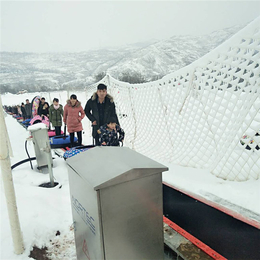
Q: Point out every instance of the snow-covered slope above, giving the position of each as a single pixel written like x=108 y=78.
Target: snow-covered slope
x=52 y=71
x=167 y=56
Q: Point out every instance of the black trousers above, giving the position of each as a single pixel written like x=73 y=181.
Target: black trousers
x=97 y=140
x=57 y=130
x=79 y=135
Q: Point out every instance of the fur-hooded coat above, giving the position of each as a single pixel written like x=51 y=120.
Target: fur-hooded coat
x=91 y=111
x=72 y=116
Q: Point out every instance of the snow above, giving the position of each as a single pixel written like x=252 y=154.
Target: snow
x=36 y=127
x=44 y=211
x=241 y=197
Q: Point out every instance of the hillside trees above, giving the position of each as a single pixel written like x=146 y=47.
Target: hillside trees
x=100 y=76
x=4 y=88
x=132 y=77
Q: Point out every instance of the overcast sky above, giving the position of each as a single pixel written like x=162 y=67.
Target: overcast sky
x=52 y=26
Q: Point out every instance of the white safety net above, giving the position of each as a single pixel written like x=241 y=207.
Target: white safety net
x=206 y=115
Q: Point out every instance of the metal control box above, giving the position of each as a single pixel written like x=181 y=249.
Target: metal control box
x=41 y=144
x=116 y=197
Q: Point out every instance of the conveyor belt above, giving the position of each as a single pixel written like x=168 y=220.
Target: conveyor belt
x=228 y=236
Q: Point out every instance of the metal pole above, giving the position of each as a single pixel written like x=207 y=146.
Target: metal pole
x=48 y=154
x=9 y=186
x=50 y=98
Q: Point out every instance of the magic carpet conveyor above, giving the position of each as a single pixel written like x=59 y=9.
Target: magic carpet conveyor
x=230 y=237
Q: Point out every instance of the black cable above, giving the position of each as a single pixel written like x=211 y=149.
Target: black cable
x=28 y=154
x=23 y=161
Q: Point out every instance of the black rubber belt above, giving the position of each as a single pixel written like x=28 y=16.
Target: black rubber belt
x=226 y=235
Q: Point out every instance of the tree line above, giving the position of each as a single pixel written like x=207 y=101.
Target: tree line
x=132 y=77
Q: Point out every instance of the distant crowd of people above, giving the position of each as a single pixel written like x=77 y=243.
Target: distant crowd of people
x=23 y=110
x=99 y=109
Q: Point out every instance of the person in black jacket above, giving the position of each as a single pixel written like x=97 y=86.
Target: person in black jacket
x=99 y=108
x=28 y=109
x=43 y=108
x=24 y=115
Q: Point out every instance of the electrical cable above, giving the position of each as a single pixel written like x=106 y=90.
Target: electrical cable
x=23 y=161
x=28 y=154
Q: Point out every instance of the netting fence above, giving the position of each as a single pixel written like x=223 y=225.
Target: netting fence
x=206 y=115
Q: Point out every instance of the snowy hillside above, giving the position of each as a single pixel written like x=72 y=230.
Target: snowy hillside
x=53 y=71
x=167 y=56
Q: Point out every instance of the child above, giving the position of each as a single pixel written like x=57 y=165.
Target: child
x=109 y=133
x=56 y=113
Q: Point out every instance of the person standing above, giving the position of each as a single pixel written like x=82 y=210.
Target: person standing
x=45 y=110
x=72 y=117
x=19 y=110
x=99 y=108
x=43 y=106
x=23 y=111
x=28 y=109
x=55 y=115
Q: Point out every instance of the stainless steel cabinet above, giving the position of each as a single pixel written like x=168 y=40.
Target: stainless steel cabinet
x=116 y=197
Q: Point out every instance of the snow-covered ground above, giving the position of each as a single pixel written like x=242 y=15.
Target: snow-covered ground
x=44 y=211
